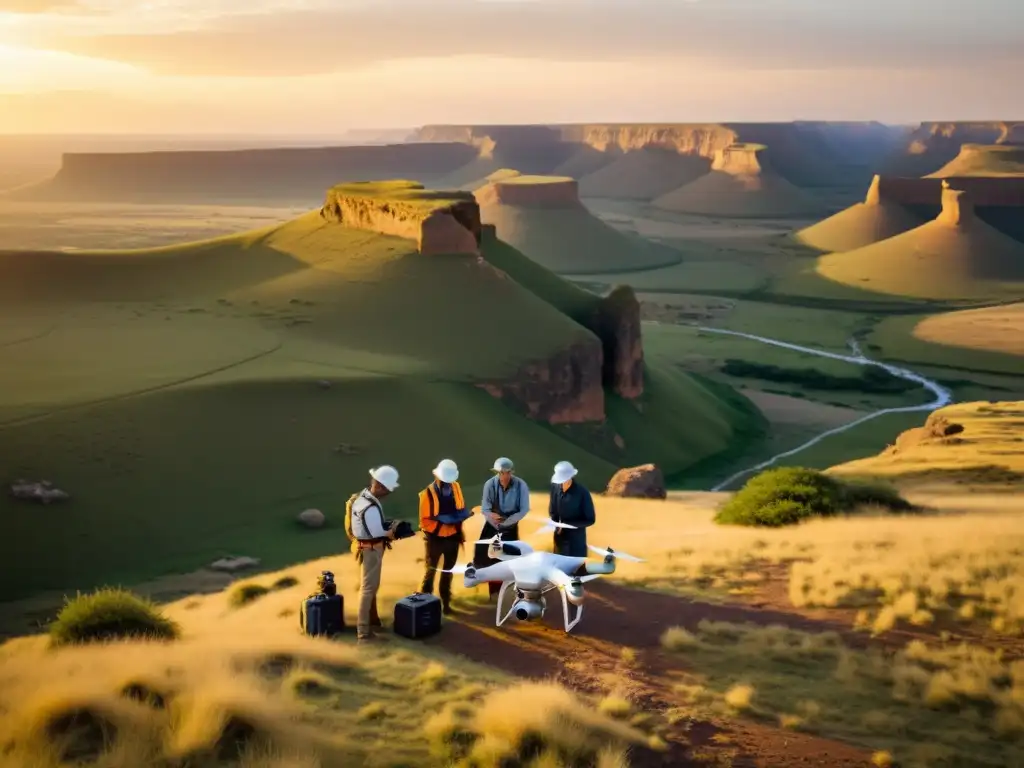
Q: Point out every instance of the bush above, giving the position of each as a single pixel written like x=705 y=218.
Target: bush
x=788 y=495
x=110 y=614
x=245 y=593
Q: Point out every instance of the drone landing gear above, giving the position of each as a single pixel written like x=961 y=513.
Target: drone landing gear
x=500 y=619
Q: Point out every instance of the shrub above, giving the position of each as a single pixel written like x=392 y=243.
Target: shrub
x=788 y=495
x=110 y=614
x=245 y=593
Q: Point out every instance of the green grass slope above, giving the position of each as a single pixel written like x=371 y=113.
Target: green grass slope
x=570 y=240
x=194 y=399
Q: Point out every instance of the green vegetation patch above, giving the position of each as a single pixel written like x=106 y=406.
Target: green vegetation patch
x=872 y=378
x=789 y=495
x=110 y=614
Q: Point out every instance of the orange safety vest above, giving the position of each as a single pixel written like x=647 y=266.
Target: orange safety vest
x=429 y=506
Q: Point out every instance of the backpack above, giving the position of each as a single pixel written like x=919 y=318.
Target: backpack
x=348 y=517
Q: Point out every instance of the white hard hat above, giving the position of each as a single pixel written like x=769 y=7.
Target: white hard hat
x=447 y=471
x=504 y=464
x=563 y=471
x=386 y=475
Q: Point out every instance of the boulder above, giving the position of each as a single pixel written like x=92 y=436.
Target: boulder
x=230 y=564
x=312 y=518
x=643 y=482
x=42 y=492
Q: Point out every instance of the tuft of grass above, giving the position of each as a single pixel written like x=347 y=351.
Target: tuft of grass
x=615 y=706
x=740 y=697
x=285 y=582
x=375 y=710
x=245 y=593
x=110 y=614
x=677 y=639
x=882 y=759
x=789 y=495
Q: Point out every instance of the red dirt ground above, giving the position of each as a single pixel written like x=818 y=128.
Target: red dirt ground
x=617 y=618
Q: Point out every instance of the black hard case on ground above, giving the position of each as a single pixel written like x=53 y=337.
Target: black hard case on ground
x=323 y=615
x=418 y=616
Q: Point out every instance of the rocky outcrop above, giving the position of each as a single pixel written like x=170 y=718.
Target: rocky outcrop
x=564 y=389
x=617 y=324
x=957 y=208
x=643 y=482
x=1005 y=191
x=531 y=192
x=439 y=222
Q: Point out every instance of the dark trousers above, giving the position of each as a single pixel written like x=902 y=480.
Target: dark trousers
x=480 y=558
x=444 y=550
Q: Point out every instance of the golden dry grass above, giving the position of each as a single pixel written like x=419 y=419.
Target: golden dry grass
x=244 y=678
x=994 y=329
x=924 y=705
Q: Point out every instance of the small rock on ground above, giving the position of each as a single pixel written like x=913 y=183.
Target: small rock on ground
x=312 y=518
x=231 y=564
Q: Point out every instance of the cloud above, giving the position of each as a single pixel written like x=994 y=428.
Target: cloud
x=770 y=34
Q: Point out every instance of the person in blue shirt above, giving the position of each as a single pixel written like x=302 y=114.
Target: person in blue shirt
x=570 y=503
x=506 y=500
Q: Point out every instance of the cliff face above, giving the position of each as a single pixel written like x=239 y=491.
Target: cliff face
x=617 y=324
x=564 y=389
x=934 y=144
x=445 y=226
x=1006 y=191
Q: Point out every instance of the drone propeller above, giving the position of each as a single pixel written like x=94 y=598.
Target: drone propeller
x=458 y=569
x=495 y=537
x=608 y=551
x=589 y=577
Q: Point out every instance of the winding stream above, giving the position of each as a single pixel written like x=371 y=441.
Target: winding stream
x=942 y=395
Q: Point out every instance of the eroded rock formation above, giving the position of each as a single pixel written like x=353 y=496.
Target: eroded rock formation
x=617 y=324
x=452 y=226
x=1004 y=191
x=566 y=388
x=957 y=208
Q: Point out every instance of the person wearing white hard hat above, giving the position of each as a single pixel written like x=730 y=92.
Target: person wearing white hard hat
x=506 y=500
x=370 y=535
x=442 y=513
x=570 y=503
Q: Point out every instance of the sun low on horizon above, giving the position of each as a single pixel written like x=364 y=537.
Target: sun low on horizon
x=112 y=66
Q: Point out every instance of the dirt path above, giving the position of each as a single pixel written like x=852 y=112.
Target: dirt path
x=591 y=660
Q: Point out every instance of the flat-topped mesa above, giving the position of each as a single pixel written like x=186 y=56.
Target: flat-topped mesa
x=957 y=208
x=440 y=222
x=741 y=160
x=531 y=192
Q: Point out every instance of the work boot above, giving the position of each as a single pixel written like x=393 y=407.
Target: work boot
x=446 y=609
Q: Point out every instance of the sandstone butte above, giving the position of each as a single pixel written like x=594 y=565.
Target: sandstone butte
x=742 y=182
x=986 y=160
x=568 y=386
x=529 y=191
x=948 y=253
x=861 y=224
x=439 y=222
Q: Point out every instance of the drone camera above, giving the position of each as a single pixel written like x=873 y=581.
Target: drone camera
x=526 y=610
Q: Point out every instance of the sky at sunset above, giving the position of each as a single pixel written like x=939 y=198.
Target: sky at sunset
x=320 y=66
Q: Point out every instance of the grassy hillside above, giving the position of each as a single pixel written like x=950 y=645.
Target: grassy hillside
x=572 y=241
x=972 y=443
x=193 y=399
x=934 y=261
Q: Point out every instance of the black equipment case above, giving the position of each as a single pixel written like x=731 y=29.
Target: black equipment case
x=418 y=616
x=323 y=613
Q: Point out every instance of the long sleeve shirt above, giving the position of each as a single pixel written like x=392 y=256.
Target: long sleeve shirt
x=512 y=503
x=574 y=506
x=368 y=517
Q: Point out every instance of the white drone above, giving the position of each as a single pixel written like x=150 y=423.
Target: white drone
x=533 y=574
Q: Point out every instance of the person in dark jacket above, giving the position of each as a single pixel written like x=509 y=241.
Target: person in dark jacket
x=506 y=500
x=570 y=503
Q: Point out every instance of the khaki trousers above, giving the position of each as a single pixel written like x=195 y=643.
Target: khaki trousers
x=369 y=583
